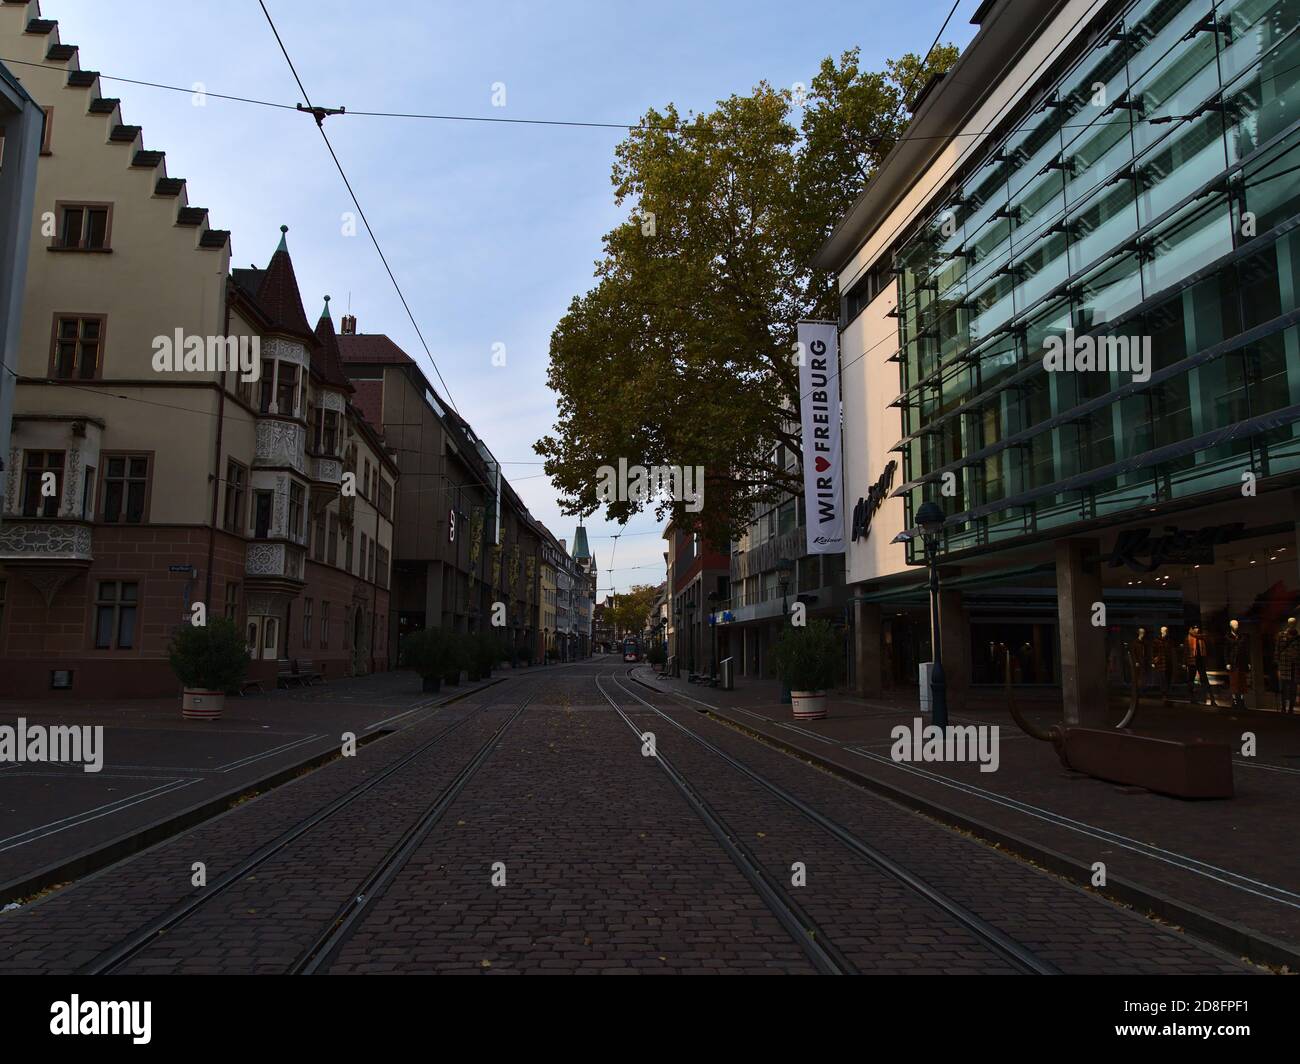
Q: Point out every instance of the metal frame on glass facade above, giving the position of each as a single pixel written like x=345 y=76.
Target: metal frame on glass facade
x=1149 y=188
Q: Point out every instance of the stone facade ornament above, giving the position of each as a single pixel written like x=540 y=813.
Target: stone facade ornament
x=265 y=559
x=11 y=482
x=45 y=539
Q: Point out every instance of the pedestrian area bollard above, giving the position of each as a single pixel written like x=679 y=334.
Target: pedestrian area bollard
x=728 y=670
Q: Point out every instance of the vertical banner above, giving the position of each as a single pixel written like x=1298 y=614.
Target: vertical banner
x=819 y=414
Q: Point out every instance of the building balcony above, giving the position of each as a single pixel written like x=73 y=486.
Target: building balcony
x=271 y=562
x=49 y=540
x=281 y=443
x=325 y=469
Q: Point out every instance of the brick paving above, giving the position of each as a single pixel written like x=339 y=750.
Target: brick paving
x=607 y=869
x=1215 y=848
x=157 y=764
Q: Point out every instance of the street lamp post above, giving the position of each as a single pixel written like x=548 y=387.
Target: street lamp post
x=714 y=598
x=690 y=640
x=929 y=521
x=784 y=567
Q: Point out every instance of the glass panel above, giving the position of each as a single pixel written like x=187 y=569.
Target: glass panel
x=126 y=628
x=1185 y=245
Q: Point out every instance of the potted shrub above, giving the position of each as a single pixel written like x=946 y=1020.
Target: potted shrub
x=423 y=652
x=808 y=660
x=210 y=661
x=455 y=657
x=485 y=655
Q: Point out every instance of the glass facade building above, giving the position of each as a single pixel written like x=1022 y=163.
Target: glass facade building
x=1147 y=194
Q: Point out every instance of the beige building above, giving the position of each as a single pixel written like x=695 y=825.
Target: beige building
x=181 y=434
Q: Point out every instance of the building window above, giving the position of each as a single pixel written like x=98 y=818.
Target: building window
x=126 y=483
x=382 y=574
x=286 y=392
x=361 y=571
x=236 y=483
x=306 y=624
x=42 y=483
x=372 y=562
x=78 y=343
x=47 y=134
x=295 y=512
x=84 y=226
x=333 y=553
x=232 y=600
x=385 y=498
x=115 y=609
x=326 y=431
x=88 y=494
x=319 y=552
x=263 y=501
x=3 y=587
x=267 y=382
x=324 y=626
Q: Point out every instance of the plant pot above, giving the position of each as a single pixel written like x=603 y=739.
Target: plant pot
x=808 y=705
x=198 y=704
x=432 y=685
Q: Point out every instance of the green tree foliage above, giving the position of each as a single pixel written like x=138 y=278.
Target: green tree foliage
x=682 y=353
x=627 y=611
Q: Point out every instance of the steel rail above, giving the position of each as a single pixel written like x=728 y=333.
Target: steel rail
x=1019 y=955
x=807 y=935
x=115 y=957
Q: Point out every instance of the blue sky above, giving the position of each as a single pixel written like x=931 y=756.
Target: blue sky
x=491 y=229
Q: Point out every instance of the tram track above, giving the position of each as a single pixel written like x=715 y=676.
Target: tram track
x=1184 y=862
x=1015 y=954
x=315 y=957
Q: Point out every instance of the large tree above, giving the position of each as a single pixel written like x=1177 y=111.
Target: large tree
x=627 y=610
x=682 y=353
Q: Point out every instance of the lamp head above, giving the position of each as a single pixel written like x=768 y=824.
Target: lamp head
x=929 y=518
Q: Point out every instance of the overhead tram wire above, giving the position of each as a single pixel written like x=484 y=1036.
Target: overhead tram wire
x=320 y=124
x=499 y=120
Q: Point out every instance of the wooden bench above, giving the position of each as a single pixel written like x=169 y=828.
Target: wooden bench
x=305 y=670
x=284 y=674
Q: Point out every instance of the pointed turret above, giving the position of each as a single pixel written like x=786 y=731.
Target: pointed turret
x=278 y=294
x=328 y=363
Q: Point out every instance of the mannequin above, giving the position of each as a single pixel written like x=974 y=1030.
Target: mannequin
x=1197 y=649
x=1287 y=656
x=1141 y=654
x=1162 y=660
x=1236 y=656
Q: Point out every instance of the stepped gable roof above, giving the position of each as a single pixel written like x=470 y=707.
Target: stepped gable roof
x=329 y=362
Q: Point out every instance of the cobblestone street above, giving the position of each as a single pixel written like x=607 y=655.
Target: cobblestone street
x=528 y=828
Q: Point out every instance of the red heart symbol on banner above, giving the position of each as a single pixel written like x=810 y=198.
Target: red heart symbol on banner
x=821 y=464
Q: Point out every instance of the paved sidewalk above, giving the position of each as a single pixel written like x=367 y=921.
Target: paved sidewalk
x=1228 y=870
x=162 y=773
